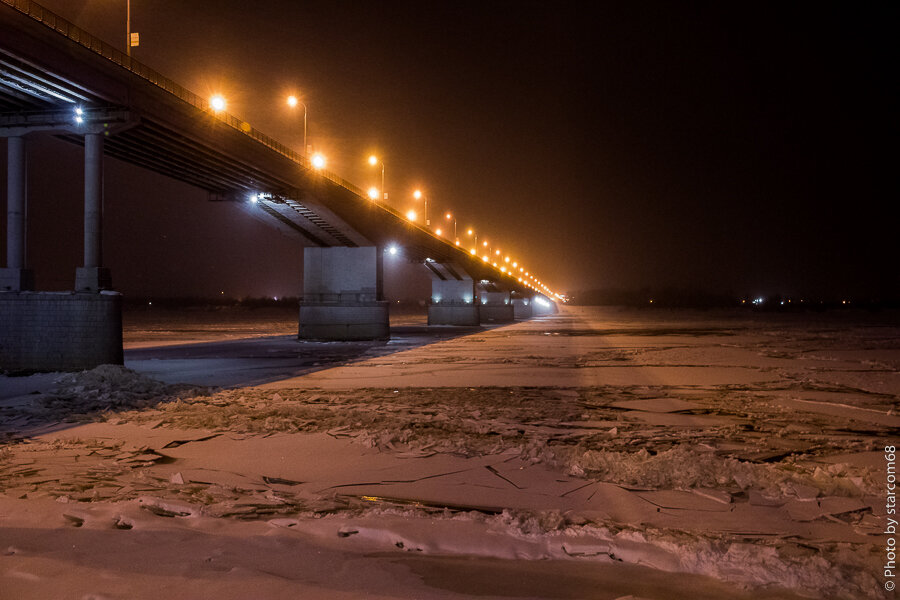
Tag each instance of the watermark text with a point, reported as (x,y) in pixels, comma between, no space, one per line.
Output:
(890,507)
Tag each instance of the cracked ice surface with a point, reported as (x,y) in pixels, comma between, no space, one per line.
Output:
(740,449)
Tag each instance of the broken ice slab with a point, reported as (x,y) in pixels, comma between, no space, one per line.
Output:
(590,548)
(144,457)
(225,479)
(678,500)
(842,411)
(416,453)
(340,432)
(681,420)
(166,508)
(757,498)
(284,523)
(280,481)
(426,504)
(658,405)
(181,442)
(720,496)
(870,460)
(605,425)
(73,520)
(810,510)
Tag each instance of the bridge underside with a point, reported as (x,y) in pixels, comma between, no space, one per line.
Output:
(56,79)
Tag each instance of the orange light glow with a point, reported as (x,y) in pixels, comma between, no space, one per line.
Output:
(217,102)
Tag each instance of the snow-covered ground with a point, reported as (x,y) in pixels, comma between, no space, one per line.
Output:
(599,453)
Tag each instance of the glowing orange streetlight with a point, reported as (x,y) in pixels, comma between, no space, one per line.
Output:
(318,161)
(293,101)
(373,160)
(418,195)
(449,216)
(217,103)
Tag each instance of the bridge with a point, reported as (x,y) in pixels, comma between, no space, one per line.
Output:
(57,79)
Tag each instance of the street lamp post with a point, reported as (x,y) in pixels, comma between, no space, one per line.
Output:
(293,101)
(131,39)
(448,217)
(128,28)
(418,195)
(373,160)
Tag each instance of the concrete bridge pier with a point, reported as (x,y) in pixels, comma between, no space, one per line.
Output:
(343,295)
(56,331)
(522,308)
(453,300)
(495,305)
(16,277)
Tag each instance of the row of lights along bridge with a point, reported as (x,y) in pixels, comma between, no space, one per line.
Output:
(486,251)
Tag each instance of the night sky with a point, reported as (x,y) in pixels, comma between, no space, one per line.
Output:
(726,147)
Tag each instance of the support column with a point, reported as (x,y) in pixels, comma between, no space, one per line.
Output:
(15,277)
(452,296)
(92,277)
(52,331)
(343,295)
(522,308)
(495,307)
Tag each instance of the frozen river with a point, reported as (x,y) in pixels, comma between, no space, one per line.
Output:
(598,453)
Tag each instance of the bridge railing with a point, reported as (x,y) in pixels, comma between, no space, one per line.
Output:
(80,36)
